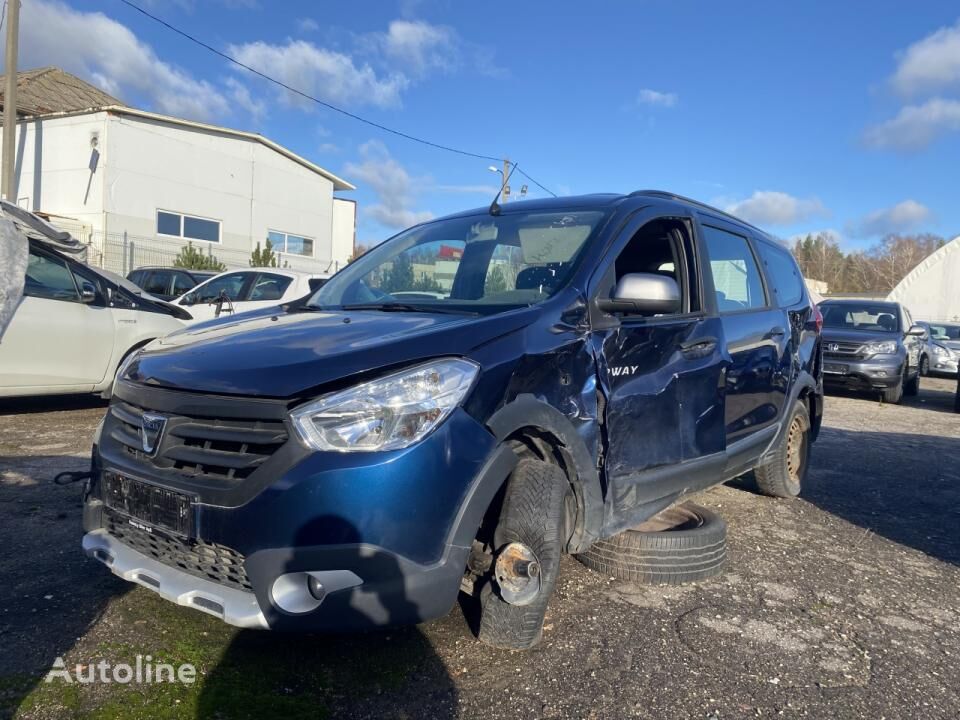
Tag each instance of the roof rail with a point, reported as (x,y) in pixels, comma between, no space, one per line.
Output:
(673,196)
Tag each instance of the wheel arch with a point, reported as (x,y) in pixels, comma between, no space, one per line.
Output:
(530,425)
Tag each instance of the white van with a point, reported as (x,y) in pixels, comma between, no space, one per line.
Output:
(240,291)
(75,325)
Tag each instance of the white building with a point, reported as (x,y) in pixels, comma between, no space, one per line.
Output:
(139,185)
(931,291)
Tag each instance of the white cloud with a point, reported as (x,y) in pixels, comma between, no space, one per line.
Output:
(770,207)
(307,25)
(653,97)
(240,97)
(95,47)
(328,148)
(394,187)
(930,64)
(420,46)
(327,74)
(903,216)
(916,126)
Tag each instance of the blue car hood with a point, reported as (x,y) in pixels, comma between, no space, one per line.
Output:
(291,354)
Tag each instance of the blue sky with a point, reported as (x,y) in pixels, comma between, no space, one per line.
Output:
(798,116)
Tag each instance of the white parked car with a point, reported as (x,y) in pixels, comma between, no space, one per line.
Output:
(238,291)
(75,325)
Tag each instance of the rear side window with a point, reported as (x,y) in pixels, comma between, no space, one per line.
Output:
(736,277)
(158,283)
(269,287)
(181,283)
(783,272)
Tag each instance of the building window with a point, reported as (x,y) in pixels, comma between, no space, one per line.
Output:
(187,227)
(287,243)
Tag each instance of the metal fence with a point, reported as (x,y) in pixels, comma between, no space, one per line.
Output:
(122,252)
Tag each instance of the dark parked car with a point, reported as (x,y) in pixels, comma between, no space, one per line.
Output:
(356,458)
(871,345)
(167,283)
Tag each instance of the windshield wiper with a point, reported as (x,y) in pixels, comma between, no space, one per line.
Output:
(406,307)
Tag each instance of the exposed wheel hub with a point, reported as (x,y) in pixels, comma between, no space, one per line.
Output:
(517,571)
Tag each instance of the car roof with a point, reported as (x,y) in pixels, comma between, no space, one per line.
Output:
(286,272)
(859,301)
(602,201)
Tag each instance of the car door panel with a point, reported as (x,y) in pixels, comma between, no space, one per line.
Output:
(661,380)
(756,333)
(55,340)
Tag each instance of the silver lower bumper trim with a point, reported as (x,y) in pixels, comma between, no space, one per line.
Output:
(236,607)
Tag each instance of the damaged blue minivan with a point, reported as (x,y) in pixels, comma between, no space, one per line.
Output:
(455,410)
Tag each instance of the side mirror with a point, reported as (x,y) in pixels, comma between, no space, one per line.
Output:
(917,330)
(88,293)
(188,299)
(643,294)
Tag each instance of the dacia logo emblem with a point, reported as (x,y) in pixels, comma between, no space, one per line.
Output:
(151,429)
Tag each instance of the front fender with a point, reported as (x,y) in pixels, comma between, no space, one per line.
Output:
(526,411)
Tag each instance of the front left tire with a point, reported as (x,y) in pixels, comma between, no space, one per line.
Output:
(531,529)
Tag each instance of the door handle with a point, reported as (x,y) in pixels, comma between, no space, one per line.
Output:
(698,347)
(775,332)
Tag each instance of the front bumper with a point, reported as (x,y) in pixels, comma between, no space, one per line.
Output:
(385,536)
(235,607)
(943,365)
(873,373)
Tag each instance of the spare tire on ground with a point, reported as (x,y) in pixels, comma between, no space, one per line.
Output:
(682,544)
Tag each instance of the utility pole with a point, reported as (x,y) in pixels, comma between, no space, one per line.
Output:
(504,188)
(10,103)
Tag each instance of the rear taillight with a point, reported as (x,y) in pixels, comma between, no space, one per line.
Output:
(818,317)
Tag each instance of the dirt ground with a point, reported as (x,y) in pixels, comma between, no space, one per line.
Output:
(845,603)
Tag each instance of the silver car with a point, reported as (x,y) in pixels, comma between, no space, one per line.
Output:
(941,348)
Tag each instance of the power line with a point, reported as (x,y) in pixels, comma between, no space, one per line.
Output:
(517,168)
(317,100)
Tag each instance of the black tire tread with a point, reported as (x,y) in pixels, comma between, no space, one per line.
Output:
(532,513)
(663,558)
(771,476)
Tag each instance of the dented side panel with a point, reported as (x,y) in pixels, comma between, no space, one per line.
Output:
(663,390)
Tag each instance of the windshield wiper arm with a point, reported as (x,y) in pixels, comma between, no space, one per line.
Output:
(406,307)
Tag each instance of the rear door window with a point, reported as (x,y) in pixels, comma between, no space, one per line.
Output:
(181,283)
(269,287)
(157,283)
(231,286)
(736,277)
(783,272)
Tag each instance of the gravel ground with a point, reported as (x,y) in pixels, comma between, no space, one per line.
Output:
(844,603)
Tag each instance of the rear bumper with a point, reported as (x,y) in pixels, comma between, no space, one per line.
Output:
(871,373)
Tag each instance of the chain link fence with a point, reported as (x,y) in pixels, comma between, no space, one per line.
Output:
(122,252)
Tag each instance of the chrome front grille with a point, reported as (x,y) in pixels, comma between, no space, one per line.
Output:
(206,447)
(843,350)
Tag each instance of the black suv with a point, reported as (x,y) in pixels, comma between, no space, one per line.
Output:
(455,409)
(871,345)
(167,283)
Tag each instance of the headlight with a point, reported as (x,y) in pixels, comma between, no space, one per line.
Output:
(122,368)
(389,413)
(887,347)
(941,351)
